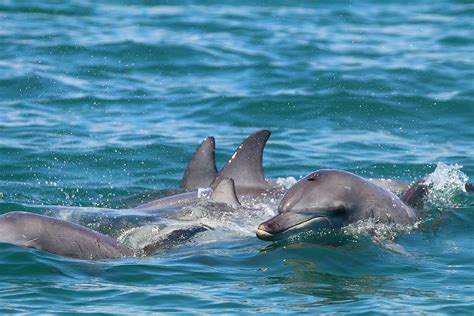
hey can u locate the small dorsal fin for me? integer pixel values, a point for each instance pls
(201, 170)
(224, 192)
(245, 166)
(415, 194)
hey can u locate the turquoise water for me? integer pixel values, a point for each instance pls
(101, 104)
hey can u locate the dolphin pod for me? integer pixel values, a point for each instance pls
(324, 199)
(243, 175)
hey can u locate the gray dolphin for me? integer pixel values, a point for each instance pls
(58, 237)
(72, 240)
(333, 199)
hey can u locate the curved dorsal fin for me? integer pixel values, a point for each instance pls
(201, 170)
(245, 166)
(224, 192)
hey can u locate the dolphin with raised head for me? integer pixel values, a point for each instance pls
(333, 199)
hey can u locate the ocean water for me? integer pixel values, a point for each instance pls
(103, 104)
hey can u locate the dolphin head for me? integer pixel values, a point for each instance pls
(315, 202)
(13, 229)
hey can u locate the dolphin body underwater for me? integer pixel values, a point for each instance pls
(242, 175)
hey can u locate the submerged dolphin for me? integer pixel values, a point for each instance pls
(72, 240)
(333, 199)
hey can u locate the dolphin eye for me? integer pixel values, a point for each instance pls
(313, 177)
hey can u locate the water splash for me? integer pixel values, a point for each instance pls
(372, 227)
(445, 183)
(205, 193)
(286, 182)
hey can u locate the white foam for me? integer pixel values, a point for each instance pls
(448, 177)
(373, 228)
(445, 182)
(286, 182)
(204, 193)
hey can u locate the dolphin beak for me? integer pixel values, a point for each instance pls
(273, 228)
(286, 224)
(263, 234)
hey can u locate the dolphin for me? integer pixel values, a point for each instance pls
(59, 237)
(72, 240)
(333, 199)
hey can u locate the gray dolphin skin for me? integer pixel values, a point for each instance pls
(201, 170)
(333, 199)
(58, 237)
(245, 166)
(224, 192)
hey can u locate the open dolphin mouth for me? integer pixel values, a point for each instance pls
(286, 224)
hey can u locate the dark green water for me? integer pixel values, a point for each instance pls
(102, 102)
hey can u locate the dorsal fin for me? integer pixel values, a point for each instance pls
(245, 166)
(224, 192)
(201, 170)
(415, 194)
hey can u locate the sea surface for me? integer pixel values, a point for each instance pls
(102, 104)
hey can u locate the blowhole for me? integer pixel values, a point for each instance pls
(311, 179)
